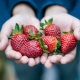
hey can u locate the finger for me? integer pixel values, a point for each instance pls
(48, 64)
(31, 62)
(37, 60)
(76, 27)
(44, 58)
(3, 41)
(77, 33)
(55, 58)
(10, 53)
(24, 60)
(68, 57)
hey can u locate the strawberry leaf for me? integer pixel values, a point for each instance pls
(46, 22)
(58, 43)
(10, 37)
(42, 26)
(31, 38)
(32, 35)
(44, 47)
(65, 32)
(57, 48)
(17, 27)
(50, 21)
(45, 51)
(38, 34)
(71, 31)
(31, 32)
(14, 32)
(57, 52)
(21, 29)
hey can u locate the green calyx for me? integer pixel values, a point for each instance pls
(16, 30)
(46, 23)
(57, 48)
(34, 36)
(71, 32)
(44, 47)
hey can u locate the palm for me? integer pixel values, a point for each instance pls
(66, 23)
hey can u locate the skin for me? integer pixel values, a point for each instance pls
(65, 22)
(24, 14)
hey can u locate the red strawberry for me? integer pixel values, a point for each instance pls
(68, 42)
(32, 32)
(27, 28)
(52, 43)
(50, 29)
(31, 49)
(18, 39)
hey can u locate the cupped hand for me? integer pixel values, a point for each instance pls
(21, 19)
(66, 23)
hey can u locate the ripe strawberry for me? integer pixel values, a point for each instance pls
(50, 29)
(18, 38)
(31, 32)
(31, 49)
(52, 43)
(27, 28)
(68, 42)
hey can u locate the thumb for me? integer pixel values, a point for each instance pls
(77, 33)
(3, 41)
(76, 28)
(6, 29)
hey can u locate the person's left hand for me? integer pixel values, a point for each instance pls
(65, 22)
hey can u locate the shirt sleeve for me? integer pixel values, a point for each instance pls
(13, 3)
(76, 11)
(68, 4)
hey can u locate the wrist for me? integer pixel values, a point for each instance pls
(23, 9)
(55, 9)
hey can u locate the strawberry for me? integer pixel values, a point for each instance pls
(50, 29)
(68, 42)
(31, 49)
(30, 27)
(18, 38)
(31, 32)
(52, 44)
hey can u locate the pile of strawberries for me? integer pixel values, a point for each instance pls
(31, 43)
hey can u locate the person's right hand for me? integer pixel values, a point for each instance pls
(21, 19)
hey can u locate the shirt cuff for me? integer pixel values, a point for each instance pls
(13, 3)
(65, 3)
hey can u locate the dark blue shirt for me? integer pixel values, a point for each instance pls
(76, 10)
(38, 5)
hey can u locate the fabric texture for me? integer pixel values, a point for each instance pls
(38, 5)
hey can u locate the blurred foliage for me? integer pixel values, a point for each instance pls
(2, 65)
